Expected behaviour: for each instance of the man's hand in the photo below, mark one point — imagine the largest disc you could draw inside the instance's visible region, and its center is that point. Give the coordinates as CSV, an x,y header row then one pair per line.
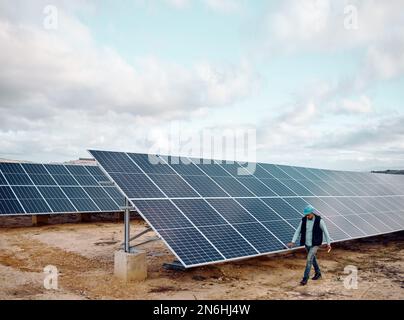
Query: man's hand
x,y
291,244
329,247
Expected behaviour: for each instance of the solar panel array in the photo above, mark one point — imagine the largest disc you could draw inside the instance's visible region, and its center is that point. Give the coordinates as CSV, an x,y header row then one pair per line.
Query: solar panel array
x,y
49,188
206,212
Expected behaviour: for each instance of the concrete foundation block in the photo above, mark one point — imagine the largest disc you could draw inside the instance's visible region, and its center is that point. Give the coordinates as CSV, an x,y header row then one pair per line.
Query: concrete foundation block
x,y
130,266
40,220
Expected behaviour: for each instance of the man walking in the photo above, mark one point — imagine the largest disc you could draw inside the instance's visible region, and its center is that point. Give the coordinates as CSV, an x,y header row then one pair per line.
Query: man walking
x,y
311,230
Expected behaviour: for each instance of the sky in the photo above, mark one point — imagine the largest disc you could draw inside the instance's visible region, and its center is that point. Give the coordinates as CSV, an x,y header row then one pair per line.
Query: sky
x,y
315,83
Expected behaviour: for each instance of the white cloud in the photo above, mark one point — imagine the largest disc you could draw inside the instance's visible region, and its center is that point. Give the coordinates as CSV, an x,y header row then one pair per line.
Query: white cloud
x,y
61,93
313,25
362,105
226,6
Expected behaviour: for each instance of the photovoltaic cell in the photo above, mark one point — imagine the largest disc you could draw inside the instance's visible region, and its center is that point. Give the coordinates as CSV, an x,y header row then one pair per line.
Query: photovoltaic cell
x,y
281,229
231,210
256,187
259,237
278,187
8,202
162,214
205,186
259,209
228,241
190,246
199,212
232,187
56,199
173,186
281,207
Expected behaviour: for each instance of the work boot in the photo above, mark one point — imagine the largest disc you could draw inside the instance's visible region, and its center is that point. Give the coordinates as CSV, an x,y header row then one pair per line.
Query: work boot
x,y
303,282
317,276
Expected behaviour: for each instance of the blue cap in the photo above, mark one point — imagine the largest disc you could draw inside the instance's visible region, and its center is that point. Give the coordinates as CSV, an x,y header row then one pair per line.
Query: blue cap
x,y
308,210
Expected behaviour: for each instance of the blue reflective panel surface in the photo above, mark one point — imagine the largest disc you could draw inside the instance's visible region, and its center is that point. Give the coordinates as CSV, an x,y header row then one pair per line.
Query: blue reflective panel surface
x,y
173,186
118,162
346,226
185,167
259,237
31,200
162,214
362,224
191,246
231,210
80,199
281,229
256,186
228,241
199,212
233,187
205,186
282,208
297,188
275,171
101,198
259,209
56,199
151,163
3,181
335,232
137,186
278,187
8,202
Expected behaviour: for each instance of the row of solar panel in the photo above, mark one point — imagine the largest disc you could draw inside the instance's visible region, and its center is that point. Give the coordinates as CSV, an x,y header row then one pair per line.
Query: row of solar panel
x,y
207,212
140,178
38,188
212,230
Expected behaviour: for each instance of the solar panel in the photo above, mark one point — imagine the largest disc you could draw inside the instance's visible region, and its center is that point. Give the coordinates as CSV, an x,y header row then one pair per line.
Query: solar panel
x,y
207,213
33,188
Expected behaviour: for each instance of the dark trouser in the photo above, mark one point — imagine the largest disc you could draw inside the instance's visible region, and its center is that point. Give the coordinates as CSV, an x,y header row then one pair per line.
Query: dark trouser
x,y
311,261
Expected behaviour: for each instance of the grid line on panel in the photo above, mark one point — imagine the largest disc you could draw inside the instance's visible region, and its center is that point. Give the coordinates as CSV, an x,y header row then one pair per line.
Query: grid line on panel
x,y
31,199
15,175
269,235
38,203
171,201
225,218
38,174
282,208
60,187
151,164
228,241
191,246
57,199
82,186
260,237
82,176
9,202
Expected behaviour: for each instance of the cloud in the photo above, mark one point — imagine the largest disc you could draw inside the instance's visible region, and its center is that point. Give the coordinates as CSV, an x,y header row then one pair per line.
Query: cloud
x,y
42,69
59,90
226,6
363,105
308,25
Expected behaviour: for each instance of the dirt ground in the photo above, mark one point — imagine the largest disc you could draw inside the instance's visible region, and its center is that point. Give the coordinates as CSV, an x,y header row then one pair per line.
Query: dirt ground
x,y
83,254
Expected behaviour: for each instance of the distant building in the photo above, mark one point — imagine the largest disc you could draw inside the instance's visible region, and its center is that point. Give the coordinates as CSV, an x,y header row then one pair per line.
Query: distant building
x,y
390,171
82,161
